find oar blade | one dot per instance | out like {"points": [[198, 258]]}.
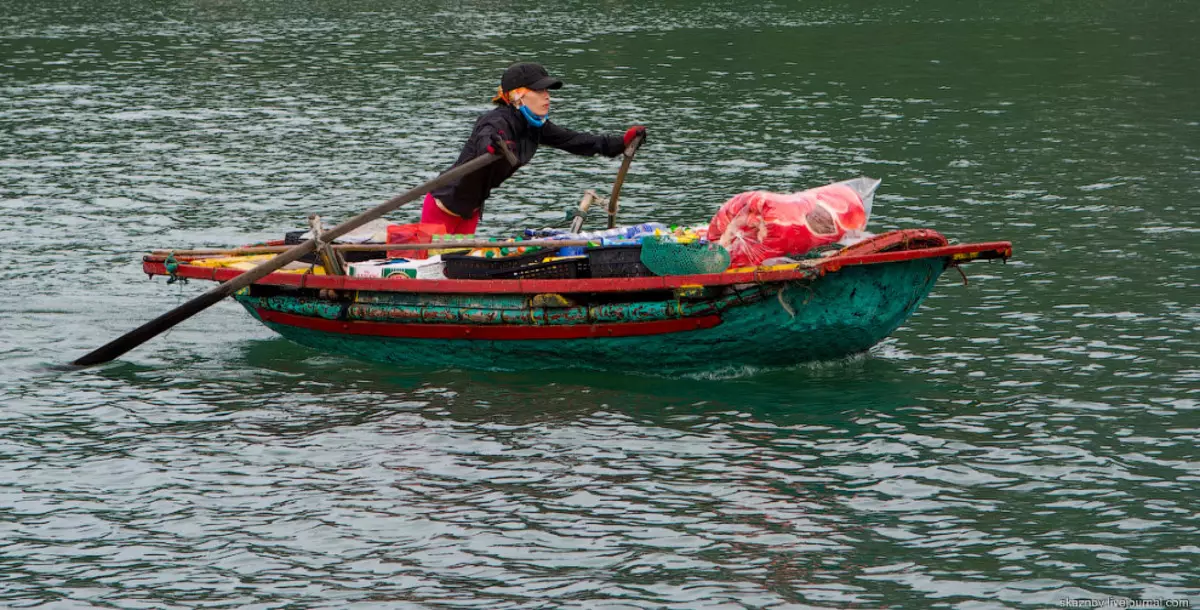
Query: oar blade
{"points": [[117, 347]]}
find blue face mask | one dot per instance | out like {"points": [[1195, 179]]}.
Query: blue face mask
{"points": [[534, 119]]}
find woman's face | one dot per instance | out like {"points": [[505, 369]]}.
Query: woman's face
{"points": [[537, 100]]}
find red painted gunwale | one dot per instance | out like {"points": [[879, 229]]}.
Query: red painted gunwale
{"points": [[153, 265], [506, 332]]}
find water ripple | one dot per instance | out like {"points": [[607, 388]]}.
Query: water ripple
{"points": [[1026, 438]]}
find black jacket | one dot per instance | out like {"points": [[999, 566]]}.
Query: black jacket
{"points": [[467, 194]]}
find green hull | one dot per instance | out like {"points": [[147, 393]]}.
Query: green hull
{"points": [[833, 316]]}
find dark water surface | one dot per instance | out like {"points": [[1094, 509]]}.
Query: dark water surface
{"points": [[1024, 440]]}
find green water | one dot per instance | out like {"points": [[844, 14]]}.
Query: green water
{"points": [[1025, 439]]}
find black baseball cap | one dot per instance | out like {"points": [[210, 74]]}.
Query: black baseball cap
{"points": [[530, 76]]}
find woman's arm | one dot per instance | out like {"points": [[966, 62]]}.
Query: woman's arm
{"points": [[485, 133], [579, 143]]}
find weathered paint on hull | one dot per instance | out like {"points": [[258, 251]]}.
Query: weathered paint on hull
{"points": [[837, 315]]}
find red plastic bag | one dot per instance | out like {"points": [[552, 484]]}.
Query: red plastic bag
{"points": [[417, 233], [758, 225]]}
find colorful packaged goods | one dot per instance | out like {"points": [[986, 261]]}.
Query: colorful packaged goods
{"points": [[687, 235], [758, 225], [417, 233], [450, 237], [628, 232], [501, 250]]}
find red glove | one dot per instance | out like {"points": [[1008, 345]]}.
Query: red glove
{"points": [[492, 148], [633, 132]]}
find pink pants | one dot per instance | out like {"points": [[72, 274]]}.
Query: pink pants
{"points": [[430, 212]]}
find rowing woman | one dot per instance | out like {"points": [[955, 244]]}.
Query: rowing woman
{"points": [[520, 122]]}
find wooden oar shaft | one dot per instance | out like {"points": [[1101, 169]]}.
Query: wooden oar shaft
{"points": [[577, 223], [616, 190], [437, 245], [150, 329]]}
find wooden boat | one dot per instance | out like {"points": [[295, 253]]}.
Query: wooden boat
{"points": [[820, 308]]}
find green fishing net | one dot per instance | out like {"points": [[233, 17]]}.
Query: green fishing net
{"points": [[665, 256]]}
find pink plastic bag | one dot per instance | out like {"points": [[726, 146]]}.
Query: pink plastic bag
{"points": [[758, 225]]}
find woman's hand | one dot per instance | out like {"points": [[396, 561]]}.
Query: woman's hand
{"points": [[497, 142], [633, 132]]}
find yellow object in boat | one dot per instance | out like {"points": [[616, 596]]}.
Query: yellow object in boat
{"points": [[787, 267], [246, 263]]}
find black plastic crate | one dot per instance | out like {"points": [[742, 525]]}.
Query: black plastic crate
{"points": [[617, 261], [563, 269], [466, 267]]}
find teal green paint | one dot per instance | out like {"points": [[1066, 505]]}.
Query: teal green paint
{"points": [[368, 307], [479, 316], [300, 306], [447, 314], [384, 313], [566, 316], [480, 301], [515, 317], [636, 312], [836, 315]]}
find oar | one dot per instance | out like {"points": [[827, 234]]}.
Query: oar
{"points": [[616, 190], [150, 329], [577, 222]]}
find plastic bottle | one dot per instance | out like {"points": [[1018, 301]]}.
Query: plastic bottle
{"points": [[632, 231]]}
